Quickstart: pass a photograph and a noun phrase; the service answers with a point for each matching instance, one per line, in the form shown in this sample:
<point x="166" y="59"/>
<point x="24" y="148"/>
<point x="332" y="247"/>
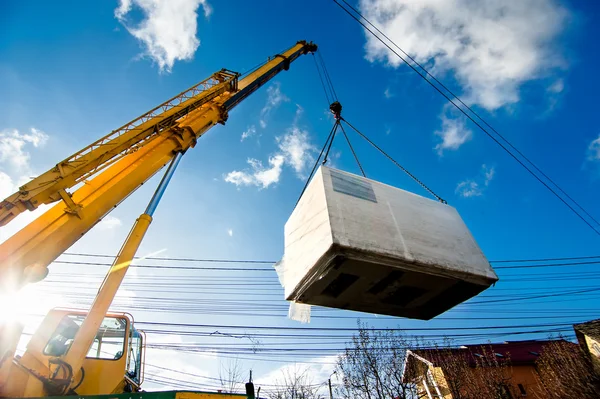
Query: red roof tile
<point x="519" y="352"/>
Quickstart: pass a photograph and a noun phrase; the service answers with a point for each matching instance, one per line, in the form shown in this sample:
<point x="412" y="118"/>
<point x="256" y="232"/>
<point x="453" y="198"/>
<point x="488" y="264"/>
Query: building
<point x="588" y="336"/>
<point x="501" y="370"/>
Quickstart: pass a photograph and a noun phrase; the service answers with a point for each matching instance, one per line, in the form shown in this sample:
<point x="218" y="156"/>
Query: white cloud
<point x="296" y="148"/>
<point x="469" y="188"/>
<point x="320" y="370"/>
<point x="553" y="96"/>
<point x="230" y="232"/>
<point x="258" y="175"/>
<point x="7" y="186"/>
<point x="274" y="99"/>
<point x="251" y="131"/>
<point x="492" y="47"/>
<point x="13" y="154"/>
<point x="594" y="150"/>
<point x="476" y="187"/>
<point x="110" y="222"/>
<point x="167" y="30"/>
<point x="388" y="93"/>
<point x="489" y="173"/>
<point x="454" y="133"/>
<point x="16" y="170"/>
<point x="557" y="87"/>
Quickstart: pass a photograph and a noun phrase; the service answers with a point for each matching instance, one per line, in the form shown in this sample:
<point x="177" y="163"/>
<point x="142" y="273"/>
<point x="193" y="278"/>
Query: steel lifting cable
<point x="321" y="79"/>
<point x="430" y="191"/>
<point x="352" y="149"/>
<point x="327" y="77"/>
<point x="335" y="127"/>
<point x="334" y="95"/>
<point x="336" y="109"/>
<point x="329" y="138"/>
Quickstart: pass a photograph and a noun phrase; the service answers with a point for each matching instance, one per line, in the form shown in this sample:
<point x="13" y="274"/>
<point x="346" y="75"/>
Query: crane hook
<point x="336" y="110"/>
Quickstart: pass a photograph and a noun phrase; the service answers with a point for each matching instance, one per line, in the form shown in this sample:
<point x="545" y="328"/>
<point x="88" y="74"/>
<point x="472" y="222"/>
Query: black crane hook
<point x="336" y="110"/>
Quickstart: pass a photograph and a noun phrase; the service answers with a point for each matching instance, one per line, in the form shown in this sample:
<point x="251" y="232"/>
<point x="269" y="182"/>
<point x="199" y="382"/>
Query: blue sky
<point x="72" y="72"/>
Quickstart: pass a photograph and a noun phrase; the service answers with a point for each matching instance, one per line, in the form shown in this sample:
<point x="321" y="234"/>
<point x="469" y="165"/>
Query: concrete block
<point x="354" y="243"/>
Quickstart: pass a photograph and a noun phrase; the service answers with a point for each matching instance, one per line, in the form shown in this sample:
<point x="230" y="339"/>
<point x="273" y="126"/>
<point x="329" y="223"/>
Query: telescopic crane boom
<point x="57" y="360"/>
<point x="127" y="158"/>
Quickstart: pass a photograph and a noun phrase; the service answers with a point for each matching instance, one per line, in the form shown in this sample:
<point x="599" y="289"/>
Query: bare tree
<point x="565" y="372"/>
<point x="230" y="376"/>
<point x="371" y="366"/>
<point x="473" y="373"/>
<point x="295" y="383"/>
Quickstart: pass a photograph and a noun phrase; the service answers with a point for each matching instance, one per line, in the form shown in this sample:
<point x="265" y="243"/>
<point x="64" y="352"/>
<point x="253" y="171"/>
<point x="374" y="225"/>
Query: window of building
<point x="499" y="354"/>
<point x="534" y="353"/>
<point x="522" y="390"/>
<point x="108" y="343"/>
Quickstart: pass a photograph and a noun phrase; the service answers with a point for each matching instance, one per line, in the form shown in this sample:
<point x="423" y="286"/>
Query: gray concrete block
<point x="354" y="243"/>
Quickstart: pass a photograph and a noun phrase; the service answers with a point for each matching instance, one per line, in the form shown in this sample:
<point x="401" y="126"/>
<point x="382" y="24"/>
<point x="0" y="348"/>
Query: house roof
<point x="519" y="352"/>
<point x="589" y="328"/>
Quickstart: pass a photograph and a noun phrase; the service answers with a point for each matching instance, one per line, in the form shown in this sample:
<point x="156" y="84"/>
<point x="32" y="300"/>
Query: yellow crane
<point x="94" y="352"/>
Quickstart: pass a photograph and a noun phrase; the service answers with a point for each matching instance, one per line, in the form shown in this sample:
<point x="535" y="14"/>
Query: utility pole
<point x="330" y="391"/>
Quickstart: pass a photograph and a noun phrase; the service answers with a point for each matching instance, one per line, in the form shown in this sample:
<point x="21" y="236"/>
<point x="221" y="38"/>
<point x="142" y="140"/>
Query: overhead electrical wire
<point x="288" y="328"/>
<point x="359" y="19"/>
<point x="209" y="260"/>
<point x="468" y="108"/>
<point x="547" y="259"/>
<point x="174" y="259"/>
<point x="595" y="259"/>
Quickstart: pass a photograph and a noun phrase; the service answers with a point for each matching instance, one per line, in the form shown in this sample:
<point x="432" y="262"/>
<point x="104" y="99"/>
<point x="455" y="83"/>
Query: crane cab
<point x="114" y="363"/>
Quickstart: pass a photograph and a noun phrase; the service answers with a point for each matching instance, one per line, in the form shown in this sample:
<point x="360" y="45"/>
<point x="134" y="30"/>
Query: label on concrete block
<point x="352" y="186"/>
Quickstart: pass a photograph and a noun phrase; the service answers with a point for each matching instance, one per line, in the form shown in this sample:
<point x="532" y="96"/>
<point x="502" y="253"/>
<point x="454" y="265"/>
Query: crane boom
<point x="57" y="359"/>
<point x="47" y="187"/>
<point x="116" y="165"/>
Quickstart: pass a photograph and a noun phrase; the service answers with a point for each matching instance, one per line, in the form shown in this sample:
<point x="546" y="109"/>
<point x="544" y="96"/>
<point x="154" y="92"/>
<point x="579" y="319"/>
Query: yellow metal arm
<point x="87" y="332"/>
<point x="25" y="256"/>
<point x="51" y="185"/>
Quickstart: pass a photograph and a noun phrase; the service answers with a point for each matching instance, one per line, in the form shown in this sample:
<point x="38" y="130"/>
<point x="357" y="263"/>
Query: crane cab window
<point x="134" y="361"/>
<point x="109" y="342"/>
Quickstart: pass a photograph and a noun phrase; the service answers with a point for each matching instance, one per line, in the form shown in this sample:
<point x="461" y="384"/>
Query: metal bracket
<point x="286" y="61"/>
<point x="72" y="207"/>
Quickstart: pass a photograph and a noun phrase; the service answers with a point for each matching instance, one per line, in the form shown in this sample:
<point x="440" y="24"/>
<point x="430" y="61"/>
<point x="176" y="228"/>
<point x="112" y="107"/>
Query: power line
<point x="449" y="99"/>
<point x="473" y="112"/>
<point x="271" y="262"/>
<point x="287" y="328"/>
<point x="170" y="267"/>
<point x="175" y="259"/>
<point x="536" y="296"/>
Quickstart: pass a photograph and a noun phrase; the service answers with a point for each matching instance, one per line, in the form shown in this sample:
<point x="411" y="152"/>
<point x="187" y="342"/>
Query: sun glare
<point x="18" y="306"/>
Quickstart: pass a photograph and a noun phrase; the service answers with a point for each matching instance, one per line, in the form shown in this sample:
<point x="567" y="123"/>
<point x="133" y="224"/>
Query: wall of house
<point x="593" y="346"/>
<point x="527" y="376"/>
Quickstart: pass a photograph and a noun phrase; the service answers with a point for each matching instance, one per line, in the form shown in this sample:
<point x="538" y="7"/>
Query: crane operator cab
<point x="114" y="362"/>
